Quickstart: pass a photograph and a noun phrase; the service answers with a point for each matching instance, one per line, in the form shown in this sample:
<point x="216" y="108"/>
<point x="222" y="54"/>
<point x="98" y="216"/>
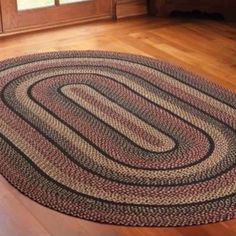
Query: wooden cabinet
<point x="230" y="10"/>
<point x="165" y="7"/>
<point x="125" y="8"/>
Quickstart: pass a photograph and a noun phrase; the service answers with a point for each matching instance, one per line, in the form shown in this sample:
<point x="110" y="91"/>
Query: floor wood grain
<point x="204" y="47"/>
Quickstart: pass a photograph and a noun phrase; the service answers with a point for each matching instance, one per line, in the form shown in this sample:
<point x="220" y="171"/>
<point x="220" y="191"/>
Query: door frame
<point x="0" y="19"/>
<point x="14" y="20"/>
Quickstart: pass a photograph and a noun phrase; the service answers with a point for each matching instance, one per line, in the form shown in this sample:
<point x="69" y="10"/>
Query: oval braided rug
<point x="118" y="138"/>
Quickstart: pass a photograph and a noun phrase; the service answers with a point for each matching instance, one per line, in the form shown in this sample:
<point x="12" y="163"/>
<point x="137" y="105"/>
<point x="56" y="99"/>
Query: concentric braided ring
<point x="118" y="138"/>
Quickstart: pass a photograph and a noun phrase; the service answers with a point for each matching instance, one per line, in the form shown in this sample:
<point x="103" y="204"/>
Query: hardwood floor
<point x="204" y="47"/>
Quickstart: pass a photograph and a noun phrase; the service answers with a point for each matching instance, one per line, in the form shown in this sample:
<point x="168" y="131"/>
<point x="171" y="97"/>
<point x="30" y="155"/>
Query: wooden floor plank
<point x="15" y="219"/>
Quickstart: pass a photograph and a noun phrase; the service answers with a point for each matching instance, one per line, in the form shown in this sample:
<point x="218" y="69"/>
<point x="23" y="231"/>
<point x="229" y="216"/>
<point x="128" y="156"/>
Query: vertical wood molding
<point x="114" y="9"/>
<point x="57" y="2"/>
<point x="1" y="26"/>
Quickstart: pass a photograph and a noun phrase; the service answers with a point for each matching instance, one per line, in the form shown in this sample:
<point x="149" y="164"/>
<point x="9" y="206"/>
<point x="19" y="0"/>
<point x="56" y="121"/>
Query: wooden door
<point x="18" y="15"/>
